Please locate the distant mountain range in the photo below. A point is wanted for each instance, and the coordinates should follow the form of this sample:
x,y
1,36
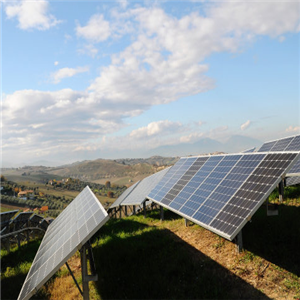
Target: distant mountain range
x,y
236,143
90,170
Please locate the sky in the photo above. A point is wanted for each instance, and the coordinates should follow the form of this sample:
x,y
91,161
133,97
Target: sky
x,y
82,80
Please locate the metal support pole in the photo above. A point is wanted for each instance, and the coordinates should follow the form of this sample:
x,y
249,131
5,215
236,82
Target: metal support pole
x,y
281,191
84,269
120,210
162,217
144,208
74,279
186,222
133,208
239,242
19,240
85,283
125,208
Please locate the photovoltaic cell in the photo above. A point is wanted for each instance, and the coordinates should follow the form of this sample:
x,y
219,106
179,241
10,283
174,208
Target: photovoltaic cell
x,y
124,195
83,217
222,191
139,194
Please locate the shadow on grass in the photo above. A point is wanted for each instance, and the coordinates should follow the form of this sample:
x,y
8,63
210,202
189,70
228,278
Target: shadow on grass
x,y
275,238
168,215
11,265
156,264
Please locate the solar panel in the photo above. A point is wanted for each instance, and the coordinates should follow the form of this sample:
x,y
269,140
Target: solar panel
x,y
249,150
21,219
124,195
295,169
35,220
82,218
293,180
285,144
6,216
221,192
139,194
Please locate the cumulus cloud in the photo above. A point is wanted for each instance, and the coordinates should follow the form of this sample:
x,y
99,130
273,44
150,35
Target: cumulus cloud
x,y
31,14
67,72
155,128
97,29
245,125
164,62
293,129
56,63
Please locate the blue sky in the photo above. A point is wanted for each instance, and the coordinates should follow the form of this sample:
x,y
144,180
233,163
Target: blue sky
x,y
106,79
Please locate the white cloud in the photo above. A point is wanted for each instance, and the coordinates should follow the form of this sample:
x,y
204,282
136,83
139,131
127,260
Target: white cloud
x,y
97,29
192,137
164,62
155,128
293,129
67,72
89,50
245,125
56,63
31,14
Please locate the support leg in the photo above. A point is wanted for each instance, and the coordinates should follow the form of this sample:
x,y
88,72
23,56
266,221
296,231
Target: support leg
x,y
281,191
85,283
133,208
125,208
162,217
144,208
239,242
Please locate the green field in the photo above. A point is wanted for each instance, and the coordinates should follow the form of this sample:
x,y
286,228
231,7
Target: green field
x,y
149,259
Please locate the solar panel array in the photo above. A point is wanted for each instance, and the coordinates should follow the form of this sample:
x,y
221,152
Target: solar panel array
x,y
6,217
64,236
221,192
124,195
21,219
292,180
35,219
139,194
286,144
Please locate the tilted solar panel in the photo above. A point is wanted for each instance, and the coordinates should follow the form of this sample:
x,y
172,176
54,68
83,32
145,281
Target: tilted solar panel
x,y
124,195
82,218
286,144
249,150
139,194
21,219
292,180
291,143
6,217
221,192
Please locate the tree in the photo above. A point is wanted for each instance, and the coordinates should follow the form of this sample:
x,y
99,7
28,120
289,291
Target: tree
x,y
110,194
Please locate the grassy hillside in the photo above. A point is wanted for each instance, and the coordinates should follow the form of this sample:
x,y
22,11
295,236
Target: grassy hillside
x,y
100,170
144,258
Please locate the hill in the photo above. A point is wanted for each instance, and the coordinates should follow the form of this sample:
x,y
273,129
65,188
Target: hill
x,y
121,171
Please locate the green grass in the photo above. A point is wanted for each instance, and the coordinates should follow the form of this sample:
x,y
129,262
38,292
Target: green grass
x,y
14,268
4,209
140,258
138,261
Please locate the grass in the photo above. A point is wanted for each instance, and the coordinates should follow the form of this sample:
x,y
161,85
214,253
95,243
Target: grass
x,y
14,268
143,258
